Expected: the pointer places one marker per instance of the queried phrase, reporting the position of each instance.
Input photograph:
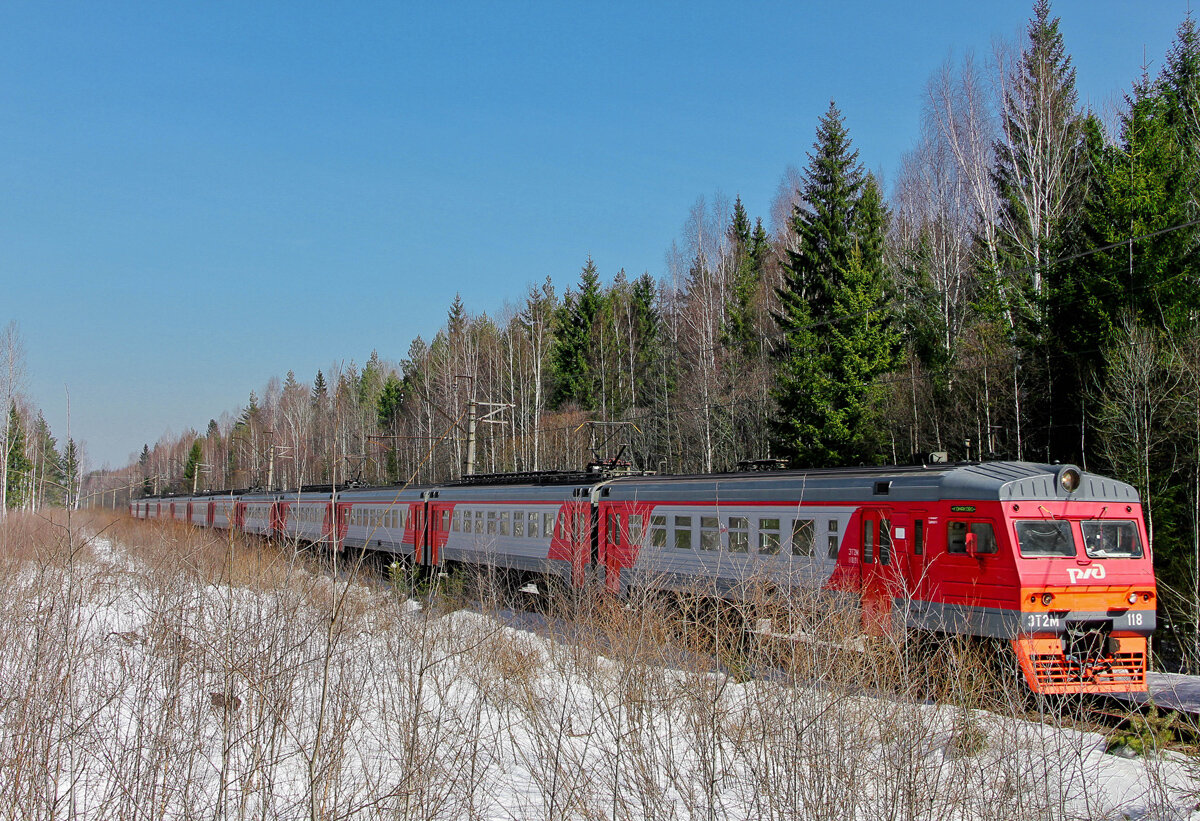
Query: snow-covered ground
(131, 689)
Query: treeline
(1030, 290)
(37, 471)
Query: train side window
(491, 522)
(919, 537)
(885, 541)
(503, 517)
(445, 520)
(532, 520)
(868, 556)
(985, 537)
(479, 521)
(611, 529)
(683, 532)
(739, 534)
(518, 520)
(547, 525)
(833, 547)
(768, 537)
(456, 522)
(710, 533)
(956, 537)
(635, 528)
(658, 531)
(802, 537)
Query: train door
(343, 520)
(189, 513)
(327, 527)
(908, 553)
(572, 538)
(417, 524)
(278, 518)
(612, 540)
(877, 569)
(432, 534)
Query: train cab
(1048, 557)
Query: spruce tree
(144, 462)
(192, 468)
(647, 342)
(18, 464)
(71, 474)
(748, 253)
(320, 391)
(834, 313)
(48, 469)
(571, 356)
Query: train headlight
(1069, 479)
(1131, 598)
(1047, 598)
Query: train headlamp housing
(1068, 479)
(1047, 598)
(1132, 598)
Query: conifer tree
(647, 340)
(144, 463)
(71, 474)
(18, 464)
(748, 253)
(320, 391)
(192, 467)
(833, 311)
(571, 355)
(48, 468)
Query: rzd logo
(1077, 573)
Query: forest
(1025, 288)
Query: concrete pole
(472, 412)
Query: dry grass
(188, 674)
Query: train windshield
(1044, 538)
(1112, 540)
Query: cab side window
(956, 537)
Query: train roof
(987, 481)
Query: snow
(134, 690)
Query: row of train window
(308, 514)
(769, 535)
(527, 524)
(391, 517)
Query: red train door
(876, 568)
(439, 527)
(343, 517)
(916, 569)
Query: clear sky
(198, 196)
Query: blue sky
(200, 196)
